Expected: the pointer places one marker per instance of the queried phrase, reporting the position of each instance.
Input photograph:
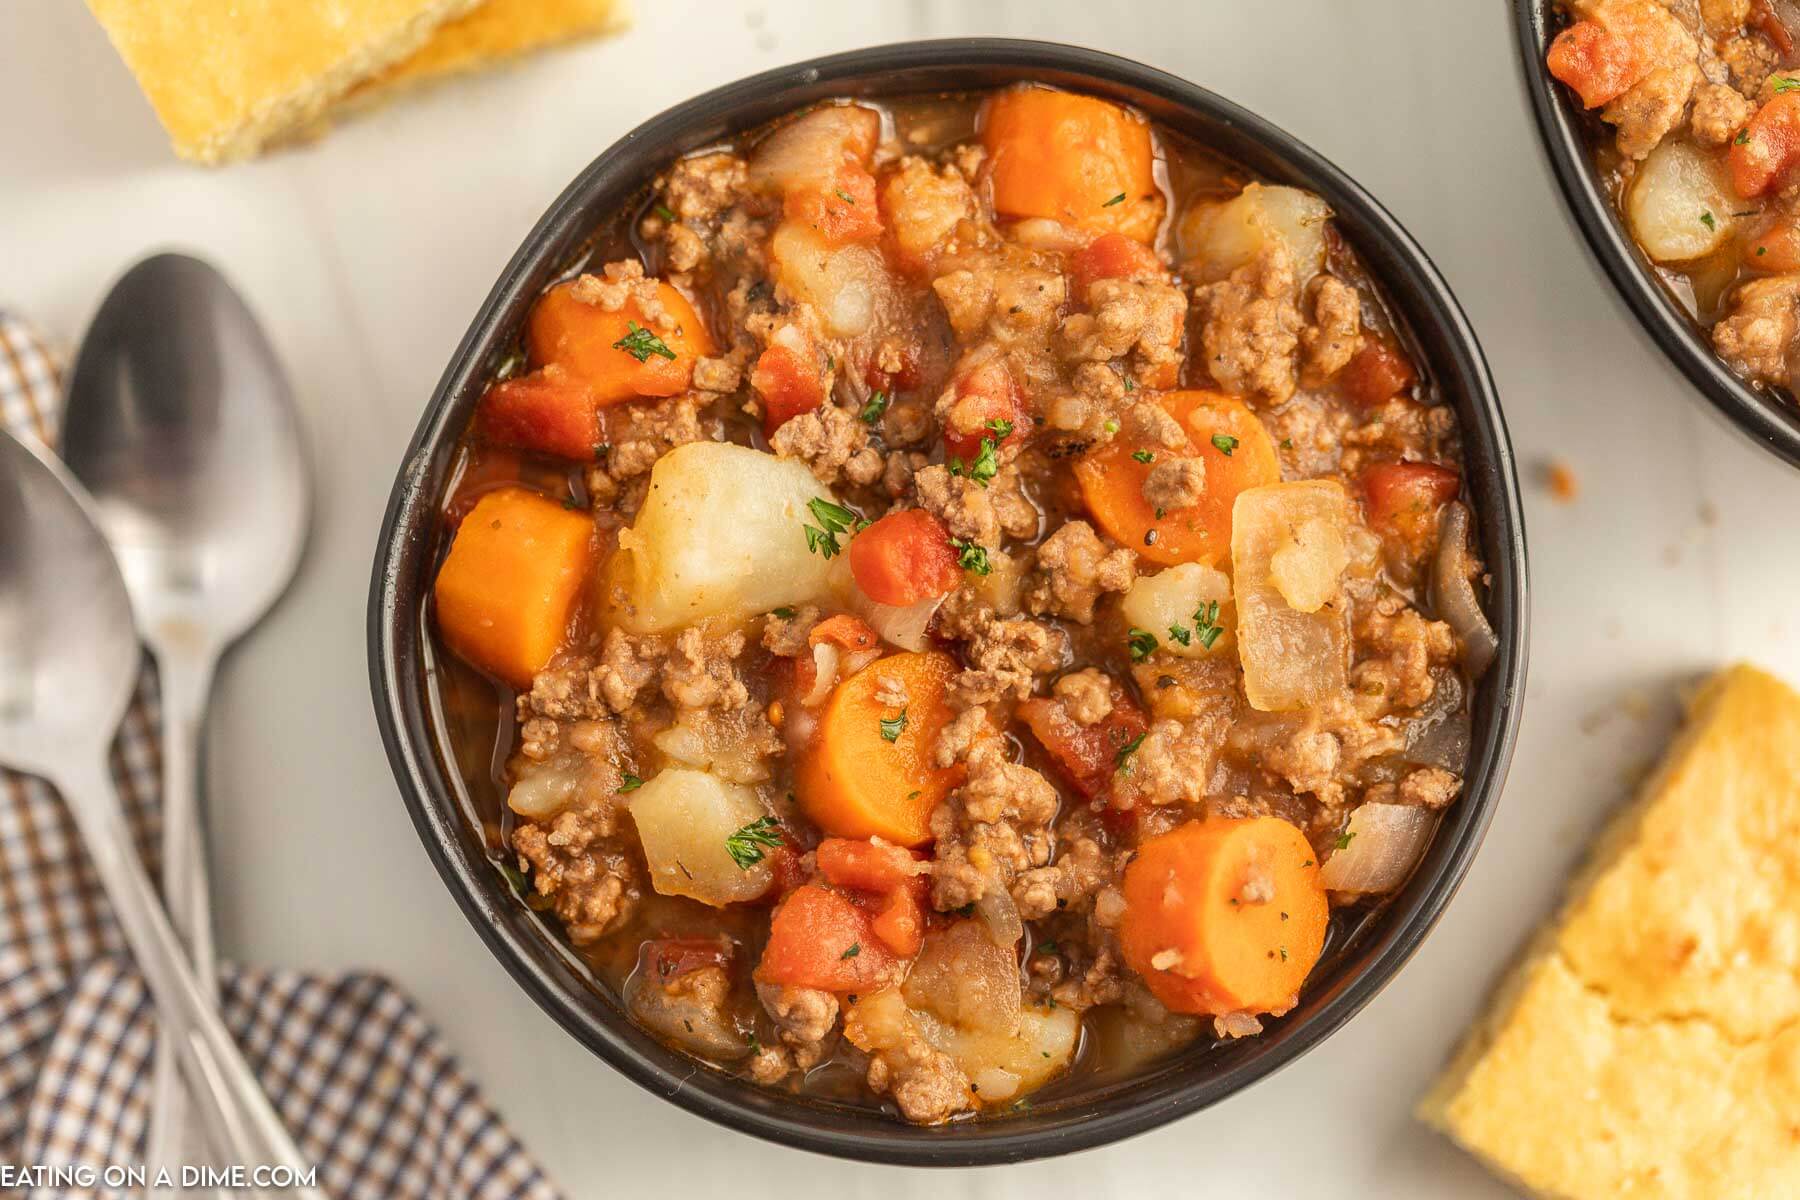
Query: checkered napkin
(369, 1090)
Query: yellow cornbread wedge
(1649, 1044)
(227, 77)
(496, 31)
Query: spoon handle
(186, 1016)
(184, 676)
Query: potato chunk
(848, 285)
(720, 535)
(683, 820)
(1220, 237)
(1680, 205)
(1168, 601)
(1288, 557)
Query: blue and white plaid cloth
(370, 1091)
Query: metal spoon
(71, 658)
(180, 423)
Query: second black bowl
(1771, 419)
(544, 966)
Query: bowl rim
(1768, 420)
(407, 536)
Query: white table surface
(367, 254)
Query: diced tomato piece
(1765, 20)
(819, 938)
(871, 866)
(845, 211)
(904, 558)
(669, 958)
(1112, 256)
(549, 410)
(987, 403)
(1763, 157)
(1087, 755)
(1376, 373)
(1401, 495)
(900, 923)
(907, 374)
(1776, 250)
(845, 632)
(790, 380)
(1598, 63)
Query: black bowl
(1770, 419)
(410, 544)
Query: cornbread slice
(1649, 1045)
(495, 31)
(228, 76)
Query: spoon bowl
(182, 429)
(68, 657)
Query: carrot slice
(1074, 159)
(819, 938)
(509, 585)
(1235, 448)
(1224, 915)
(870, 771)
(548, 410)
(904, 558)
(620, 355)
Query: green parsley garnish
(1001, 428)
(1206, 624)
(1120, 198)
(1784, 83)
(630, 783)
(985, 465)
(971, 556)
(1287, 443)
(1110, 426)
(1224, 443)
(1706, 219)
(1344, 839)
(1141, 642)
(833, 519)
(1742, 138)
(854, 950)
(784, 612)
(1181, 634)
(1761, 250)
(665, 212)
(893, 727)
(1130, 384)
(1122, 760)
(845, 197)
(747, 844)
(640, 343)
(1143, 456)
(872, 411)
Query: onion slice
(1000, 915)
(904, 626)
(1384, 842)
(811, 147)
(1454, 595)
(825, 673)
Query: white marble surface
(367, 254)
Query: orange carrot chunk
(870, 770)
(904, 558)
(1763, 156)
(790, 379)
(1074, 159)
(548, 410)
(1224, 915)
(1236, 451)
(1598, 63)
(620, 355)
(842, 209)
(819, 938)
(508, 587)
